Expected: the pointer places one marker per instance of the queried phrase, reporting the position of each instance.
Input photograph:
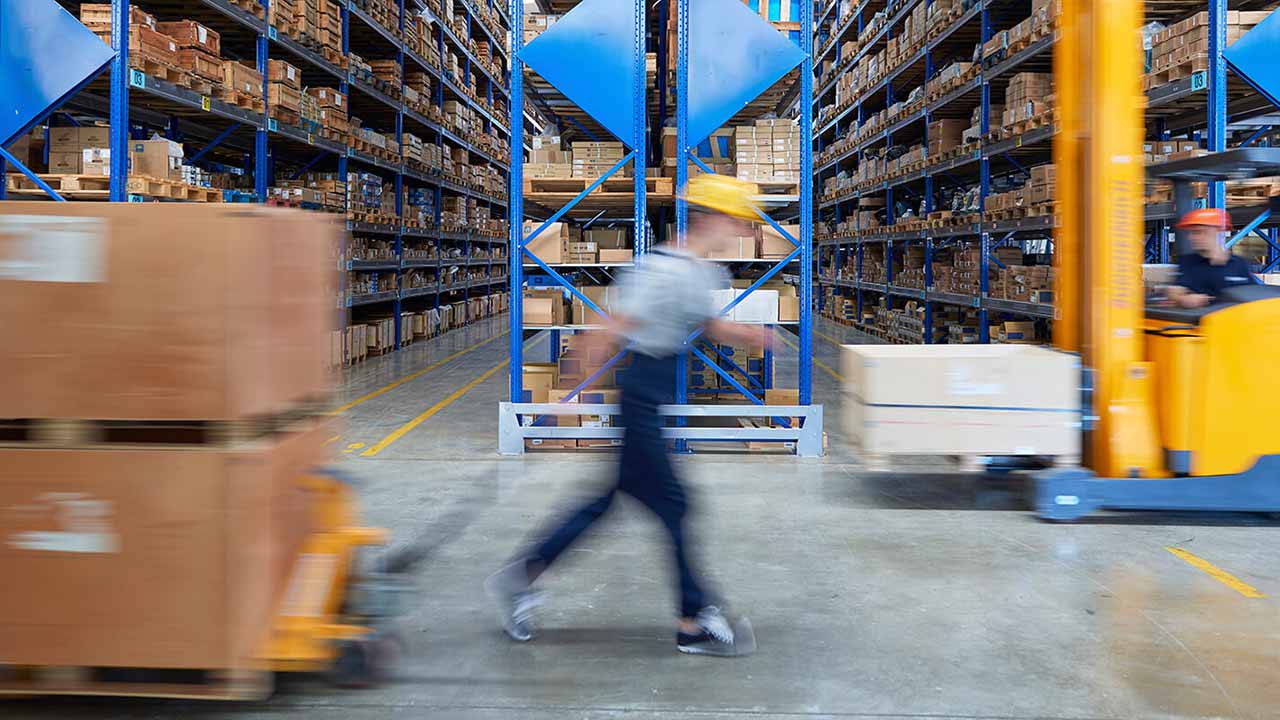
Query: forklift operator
(1204, 273)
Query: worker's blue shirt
(1198, 275)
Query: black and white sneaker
(719, 637)
(517, 603)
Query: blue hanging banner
(589, 55)
(734, 56)
(1252, 57)
(46, 55)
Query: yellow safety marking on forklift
(309, 586)
(412, 376)
(816, 361)
(404, 429)
(1217, 573)
(354, 446)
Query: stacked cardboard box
(552, 244)
(242, 332)
(390, 72)
(768, 151)
(146, 40)
(199, 48)
(333, 110)
(1026, 283)
(1029, 95)
(1187, 41)
(944, 136)
(1015, 332)
(593, 159)
(71, 149)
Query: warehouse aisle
(873, 596)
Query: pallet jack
(1178, 422)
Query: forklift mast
(1098, 245)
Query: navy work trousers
(644, 472)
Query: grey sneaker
(719, 637)
(517, 602)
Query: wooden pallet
(253, 7)
(171, 190)
(231, 96)
(86, 187)
(54, 432)
(1041, 209)
(160, 70)
(654, 186)
(1177, 71)
(371, 218)
(136, 682)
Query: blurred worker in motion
(1203, 274)
(664, 300)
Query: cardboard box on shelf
(929, 399)
(65, 163)
(165, 342)
(242, 78)
(537, 379)
(608, 238)
(774, 246)
(551, 246)
(583, 315)
(619, 256)
(94, 136)
(544, 308)
(788, 308)
(64, 139)
(95, 161)
(158, 158)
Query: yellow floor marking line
(1217, 573)
(354, 446)
(332, 440)
(816, 361)
(412, 376)
(404, 429)
(828, 338)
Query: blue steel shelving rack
(1205, 90)
(803, 252)
(258, 156)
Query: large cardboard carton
(551, 246)
(154, 311)
(961, 399)
(773, 245)
(159, 158)
(149, 557)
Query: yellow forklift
(1177, 419)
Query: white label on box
(49, 248)
(960, 381)
(86, 526)
(289, 72)
(203, 33)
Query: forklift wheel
(364, 662)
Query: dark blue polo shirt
(1197, 274)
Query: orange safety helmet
(1211, 217)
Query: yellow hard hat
(722, 193)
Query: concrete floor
(873, 596)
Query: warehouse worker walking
(666, 298)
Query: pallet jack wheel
(365, 662)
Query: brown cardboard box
(279, 71)
(242, 78)
(774, 246)
(155, 158)
(64, 139)
(543, 309)
(624, 255)
(928, 399)
(189, 33)
(788, 309)
(154, 311)
(184, 552)
(583, 315)
(608, 238)
(94, 136)
(537, 379)
(739, 248)
(551, 245)
(65, 163)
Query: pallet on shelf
(171, 189)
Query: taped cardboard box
(961, 399)
(156, 311)
(184, 552)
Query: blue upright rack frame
(807, 437)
